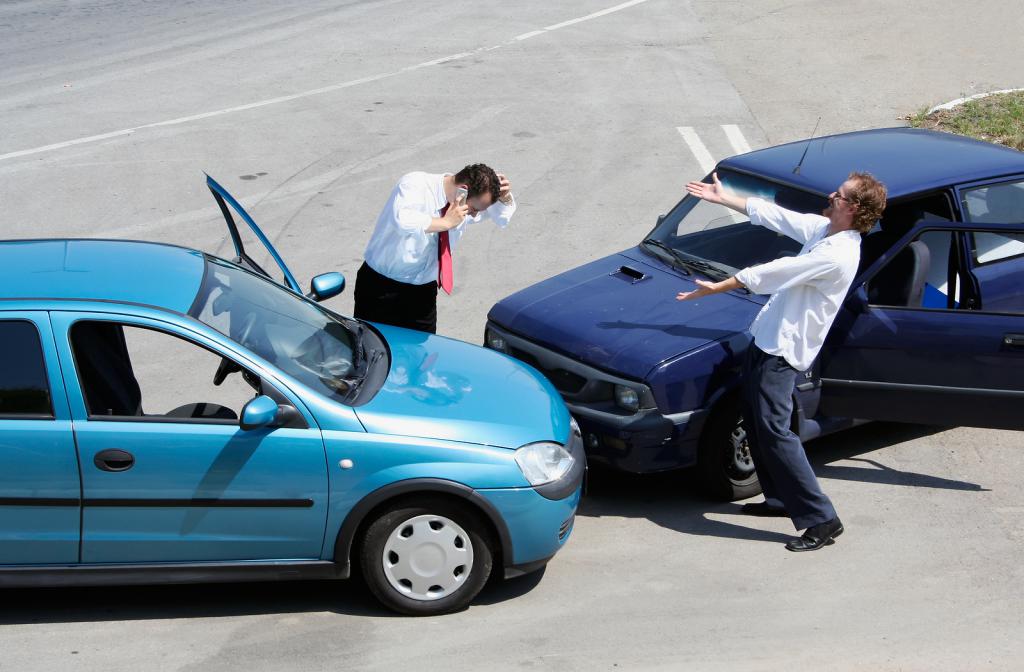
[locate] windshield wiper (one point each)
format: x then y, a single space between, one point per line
707 268
671 251
356 383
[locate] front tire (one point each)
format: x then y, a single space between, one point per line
426 557
724 466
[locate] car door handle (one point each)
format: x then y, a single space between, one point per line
1014 340
114 459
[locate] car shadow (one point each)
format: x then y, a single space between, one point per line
132 603
673 501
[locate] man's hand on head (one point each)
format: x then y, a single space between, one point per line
504 189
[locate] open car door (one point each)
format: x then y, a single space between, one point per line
939 341
224 199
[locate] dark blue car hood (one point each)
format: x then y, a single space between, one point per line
604 317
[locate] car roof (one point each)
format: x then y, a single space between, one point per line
165 276
906 160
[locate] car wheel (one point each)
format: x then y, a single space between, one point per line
426 557
724 466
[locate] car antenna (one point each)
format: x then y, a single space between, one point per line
796 171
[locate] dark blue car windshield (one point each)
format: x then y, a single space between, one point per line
724 239
295 335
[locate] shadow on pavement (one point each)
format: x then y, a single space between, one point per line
131 603
672 499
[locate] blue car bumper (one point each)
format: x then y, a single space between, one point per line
538 527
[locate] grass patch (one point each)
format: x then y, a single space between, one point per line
998 118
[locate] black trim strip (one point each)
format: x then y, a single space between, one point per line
25 576
39 501
908 387
203 502
193 502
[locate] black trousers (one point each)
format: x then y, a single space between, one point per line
381 299
782 467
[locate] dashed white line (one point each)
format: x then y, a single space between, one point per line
736 139
312 92
700 152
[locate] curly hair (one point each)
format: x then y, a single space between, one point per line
480 180
869 195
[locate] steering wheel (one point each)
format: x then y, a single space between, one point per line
227 366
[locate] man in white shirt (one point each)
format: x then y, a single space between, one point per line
806 293
410 252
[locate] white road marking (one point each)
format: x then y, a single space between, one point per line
526 36
312 92
588 17
736 139
700 152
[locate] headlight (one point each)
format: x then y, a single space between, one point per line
544 462
495 342
627 398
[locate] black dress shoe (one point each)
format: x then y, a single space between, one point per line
817 536
763 509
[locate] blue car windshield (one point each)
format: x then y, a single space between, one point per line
718 241
295 335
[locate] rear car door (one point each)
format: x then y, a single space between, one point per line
39 481
952 356
168 474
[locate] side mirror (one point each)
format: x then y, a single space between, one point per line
259 412
326 285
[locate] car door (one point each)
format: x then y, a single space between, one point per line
168 475
955 357
227 203
39 483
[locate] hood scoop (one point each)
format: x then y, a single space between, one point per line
629 274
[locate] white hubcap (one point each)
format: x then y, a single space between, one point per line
427 557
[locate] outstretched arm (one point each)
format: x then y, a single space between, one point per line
716 193
705 288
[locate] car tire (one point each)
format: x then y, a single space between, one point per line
426 557
724 468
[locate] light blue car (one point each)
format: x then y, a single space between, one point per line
167 416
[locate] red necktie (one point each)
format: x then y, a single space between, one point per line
445 277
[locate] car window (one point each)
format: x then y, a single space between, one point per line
24 389
295 335
928 274
147 374
726 238
988 246
995 203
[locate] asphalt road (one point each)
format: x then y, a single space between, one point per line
111 112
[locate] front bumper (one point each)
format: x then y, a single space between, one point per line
640 442
645 442
538 526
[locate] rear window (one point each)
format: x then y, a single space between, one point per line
24 390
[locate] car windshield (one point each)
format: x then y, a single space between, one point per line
297 336
716 241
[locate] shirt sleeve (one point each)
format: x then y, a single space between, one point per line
799 226
501 213
814 268
411 206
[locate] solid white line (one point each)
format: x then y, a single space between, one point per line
307 94
526 36
736 139
588 17
700 152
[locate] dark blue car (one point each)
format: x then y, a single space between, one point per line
932 330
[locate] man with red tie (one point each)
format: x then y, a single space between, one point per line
410 252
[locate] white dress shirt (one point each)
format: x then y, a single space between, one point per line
807 290
400 247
